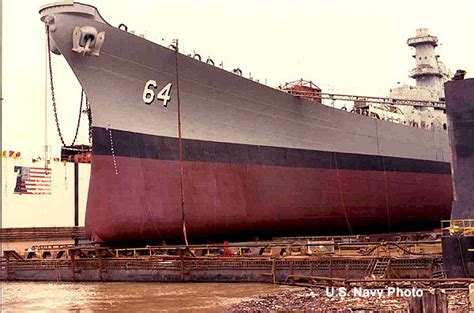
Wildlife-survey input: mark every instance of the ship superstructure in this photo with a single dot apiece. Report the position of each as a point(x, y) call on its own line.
point(430, 74)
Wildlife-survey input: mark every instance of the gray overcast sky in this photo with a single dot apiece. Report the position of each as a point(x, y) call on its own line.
point(346, 46)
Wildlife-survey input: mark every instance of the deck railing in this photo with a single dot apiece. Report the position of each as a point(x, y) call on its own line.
point(457, 227)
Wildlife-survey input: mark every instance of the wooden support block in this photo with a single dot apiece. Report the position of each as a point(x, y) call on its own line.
point(471, 296)
point(441, 301)
point(429, 302)
point(415, 305)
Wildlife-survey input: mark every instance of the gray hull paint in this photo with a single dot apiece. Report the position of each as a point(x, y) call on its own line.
point(220, 106)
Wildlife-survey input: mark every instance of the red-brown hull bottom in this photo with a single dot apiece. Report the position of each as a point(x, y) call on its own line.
point(142, 201)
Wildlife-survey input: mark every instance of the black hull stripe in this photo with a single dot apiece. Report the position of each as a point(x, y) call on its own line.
point(137, 145)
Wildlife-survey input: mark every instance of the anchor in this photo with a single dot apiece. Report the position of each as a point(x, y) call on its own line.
point(87, 40)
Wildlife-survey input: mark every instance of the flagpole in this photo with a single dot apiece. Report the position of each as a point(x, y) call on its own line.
point(46, 154)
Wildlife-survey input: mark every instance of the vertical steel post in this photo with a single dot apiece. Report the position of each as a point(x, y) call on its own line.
point(76, 198)
point(46, 63)
point(1, 100)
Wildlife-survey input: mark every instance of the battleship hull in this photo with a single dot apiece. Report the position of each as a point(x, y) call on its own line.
point(255, 160)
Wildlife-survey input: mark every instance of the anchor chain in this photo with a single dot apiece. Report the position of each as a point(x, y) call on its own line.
point(53, 98)
point(78, 118)
point(88, 111)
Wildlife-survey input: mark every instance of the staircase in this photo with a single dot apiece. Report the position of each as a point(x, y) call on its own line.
point(3, 269)
point(378, 268)
point(438, 271)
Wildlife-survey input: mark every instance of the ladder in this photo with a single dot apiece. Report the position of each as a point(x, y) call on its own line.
point(379, 268)
point(438, 271)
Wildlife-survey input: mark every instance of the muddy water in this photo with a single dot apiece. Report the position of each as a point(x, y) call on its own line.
point(127, 297)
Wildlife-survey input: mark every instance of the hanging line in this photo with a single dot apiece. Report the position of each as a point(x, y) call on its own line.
point(385, 179)
point(181, 185)
point(46, 154)
point(342, 196)
point(386, 194)
point(53, 98)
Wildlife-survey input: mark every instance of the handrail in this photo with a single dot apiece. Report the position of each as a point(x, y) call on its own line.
point(368, 99)
point(457, 227)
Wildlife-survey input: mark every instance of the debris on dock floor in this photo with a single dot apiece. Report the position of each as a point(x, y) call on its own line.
point(316, 299)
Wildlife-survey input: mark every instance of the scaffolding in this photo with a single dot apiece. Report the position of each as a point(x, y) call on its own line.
point(305, 89)
point(318, 96)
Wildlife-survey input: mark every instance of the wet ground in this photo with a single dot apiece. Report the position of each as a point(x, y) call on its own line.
point(195, 297)
point(323, 300)
point(128, 297)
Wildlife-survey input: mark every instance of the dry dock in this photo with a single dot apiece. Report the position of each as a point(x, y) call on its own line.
point(405, 260)
point(278, 261)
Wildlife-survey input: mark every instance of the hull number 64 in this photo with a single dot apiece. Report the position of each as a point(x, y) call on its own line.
point(163, 95)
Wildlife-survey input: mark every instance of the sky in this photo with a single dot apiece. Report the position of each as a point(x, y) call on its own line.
point(344, 46)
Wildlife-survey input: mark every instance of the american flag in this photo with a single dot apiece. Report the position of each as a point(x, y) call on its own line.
point(33, 180)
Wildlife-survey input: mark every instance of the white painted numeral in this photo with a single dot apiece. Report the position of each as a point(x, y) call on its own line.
point(148, 94)
point(164, 94)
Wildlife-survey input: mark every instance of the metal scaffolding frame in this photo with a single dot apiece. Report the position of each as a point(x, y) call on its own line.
point(370, 99)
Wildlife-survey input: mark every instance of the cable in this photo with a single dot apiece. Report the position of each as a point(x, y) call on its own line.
point(342, 196)
point(181, 170)
point(462, 255)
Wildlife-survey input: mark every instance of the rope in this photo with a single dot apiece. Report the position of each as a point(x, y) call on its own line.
point(342, 197)
point(386, 193)
point(181, 170)
point(384, 178)
point(53, 98)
